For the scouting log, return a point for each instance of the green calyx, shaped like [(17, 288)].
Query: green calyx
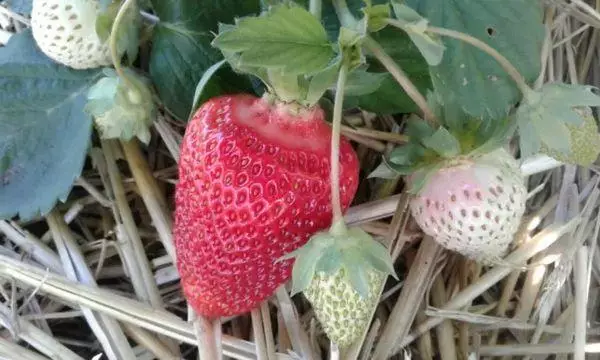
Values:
[(584, 139), (350, 249), (122, 108), (288, 49), (458, 138), (548, 117)]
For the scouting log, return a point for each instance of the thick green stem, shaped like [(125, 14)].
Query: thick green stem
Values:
[(114, 53), (400, 76), (315, 7), (335, 144), (343, 13)]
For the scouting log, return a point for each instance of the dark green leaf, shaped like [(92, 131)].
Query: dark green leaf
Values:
[(181, 50), (513, 27), (288, 37), (417, 129), (360, 82), (200, 94), (43, 128), (390, 97), (443, 143)]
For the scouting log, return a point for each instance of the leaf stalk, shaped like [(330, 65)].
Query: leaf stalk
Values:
[(335, 144)]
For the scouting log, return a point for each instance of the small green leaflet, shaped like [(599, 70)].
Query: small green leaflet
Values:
[(287, 37), (376, 16), (361, 82), (430, 45), (121, 111), (443, 143), (44, 132), (383, 171), (545, 113)]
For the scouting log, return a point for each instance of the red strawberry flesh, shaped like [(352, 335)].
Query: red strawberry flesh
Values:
[(253, 185)]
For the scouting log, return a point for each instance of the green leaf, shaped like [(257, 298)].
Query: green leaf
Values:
[(430, 45), (544, 115), (376, 16), (406, 154), (378, 257), (181, 50), (44, 132), (383, 171), (304, 268), (361, 82), (200, 94), (330, 261), (513, 27), (390, 97), (287, 37), (356, 274), (443, 143), (417, 129), (321, 82)]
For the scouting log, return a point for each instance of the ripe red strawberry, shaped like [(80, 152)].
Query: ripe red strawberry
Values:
[(253, 186)]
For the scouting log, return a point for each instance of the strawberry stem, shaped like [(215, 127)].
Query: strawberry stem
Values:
[(400, 76), (315, 8), (335, 144), (348, 20), (113, 42)]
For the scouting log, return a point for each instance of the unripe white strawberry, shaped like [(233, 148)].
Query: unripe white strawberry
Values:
[(65, 30), (473, 206)]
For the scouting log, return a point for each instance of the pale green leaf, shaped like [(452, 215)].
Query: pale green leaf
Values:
[(443, 143), (378, 257), (330, 261), (383, 171), (287, 37), (304, 269), (356, 273), (322, 81), (416, 128), (44, 132), (376, 16), (430, 45), (544, 115)]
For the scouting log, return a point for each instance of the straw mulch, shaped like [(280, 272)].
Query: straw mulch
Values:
[(95, 279)]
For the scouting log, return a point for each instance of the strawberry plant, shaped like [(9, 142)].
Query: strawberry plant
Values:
[(264, 174)]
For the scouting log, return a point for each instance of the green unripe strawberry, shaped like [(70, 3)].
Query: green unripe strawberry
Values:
[(585, 141), (340, 309), (340, 273)]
